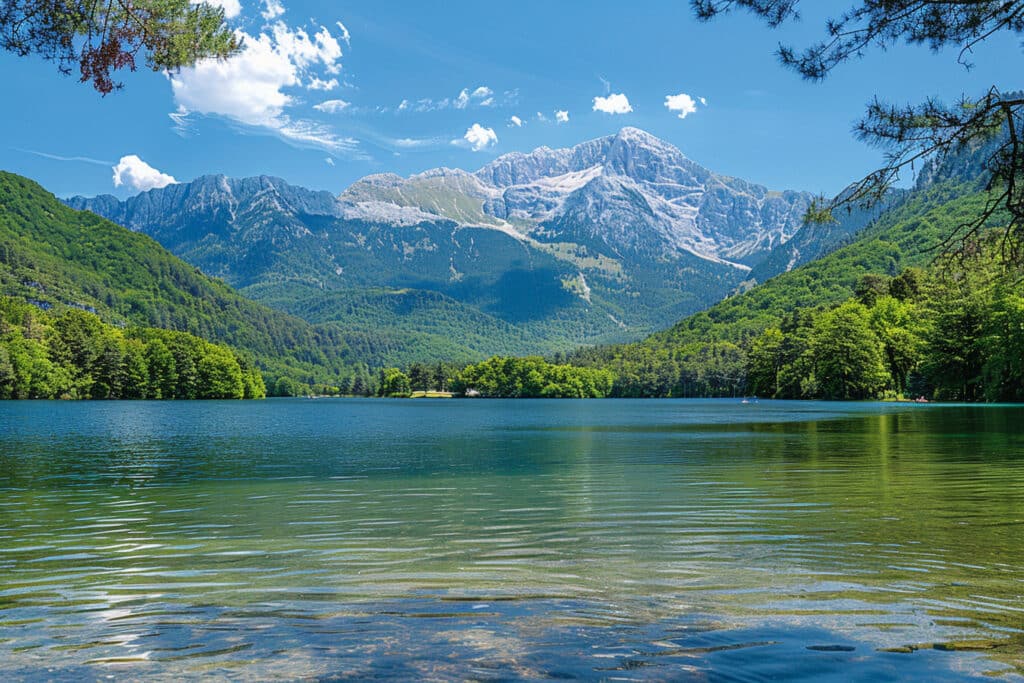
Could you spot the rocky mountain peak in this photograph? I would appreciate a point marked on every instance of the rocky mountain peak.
(628, 191)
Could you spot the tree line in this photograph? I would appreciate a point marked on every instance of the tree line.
(74, 355)
(956, 336)
(952, 332)
(58, 258)
(500, 377)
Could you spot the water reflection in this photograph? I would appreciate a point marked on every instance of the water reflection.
(520, 539)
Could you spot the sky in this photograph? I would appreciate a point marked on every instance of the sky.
(328, 91)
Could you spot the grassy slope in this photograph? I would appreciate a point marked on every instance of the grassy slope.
(56, 256)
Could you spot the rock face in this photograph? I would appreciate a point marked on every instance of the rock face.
(601, 242)
(630, 191)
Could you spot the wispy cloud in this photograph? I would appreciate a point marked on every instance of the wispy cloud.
(562, 116)
(272, 9)
(332, 106)
(515, 121)
(415, 143)
(345, 35)
(483, 95)
(468, 98)
(322, 84)
(58, 157)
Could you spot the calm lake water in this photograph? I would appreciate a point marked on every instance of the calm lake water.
(654, 540)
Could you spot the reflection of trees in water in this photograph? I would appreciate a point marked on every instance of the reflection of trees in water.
(637, 513)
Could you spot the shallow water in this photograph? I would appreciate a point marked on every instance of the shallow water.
(654, 540)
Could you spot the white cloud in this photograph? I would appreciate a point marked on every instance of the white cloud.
(250, 87)
(246, 87)
(682, 104)
(332, 106)
(616, 103)
(541, 117)
(481, 96)
(403, 105)
(516, 121)
(138, 175)
(703, 100)
(345, 35)
(480, 138)
(318, 84)
(415, 143)
(427, 104)
(562, 116)
(307, 52)
(329, 161)
(272, 9)
(232, 8)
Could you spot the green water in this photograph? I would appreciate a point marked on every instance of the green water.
(646, 540)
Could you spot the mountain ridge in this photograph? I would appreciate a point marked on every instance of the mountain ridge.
(520, 177)
(56, 258)
(602, 242)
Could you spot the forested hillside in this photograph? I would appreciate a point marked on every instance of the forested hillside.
(57, 258)
(707, 354)
(384, 327)
(74, 355)
(603, 242)
(953, 332)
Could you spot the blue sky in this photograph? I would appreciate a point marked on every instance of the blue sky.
(317, 96)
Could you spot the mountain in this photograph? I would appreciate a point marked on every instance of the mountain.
(708, 349)
(55, 257)
(816, 240)
(602, 242)
(629, 192)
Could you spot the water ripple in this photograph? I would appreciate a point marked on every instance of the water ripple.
(500, 540)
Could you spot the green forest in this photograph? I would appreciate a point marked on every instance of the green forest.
(95, 311)
(74, 355)
(58, 258)
(953, 331)
(500, 377)
(533, 377)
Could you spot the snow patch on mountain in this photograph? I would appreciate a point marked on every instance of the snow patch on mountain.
(628, 191)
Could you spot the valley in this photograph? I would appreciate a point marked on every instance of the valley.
(536, 253)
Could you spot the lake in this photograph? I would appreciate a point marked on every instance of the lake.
(430, 539)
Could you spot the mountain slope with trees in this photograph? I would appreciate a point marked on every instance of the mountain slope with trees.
(73, 355)
(601, 242)
(707, 353)
(57, 258)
